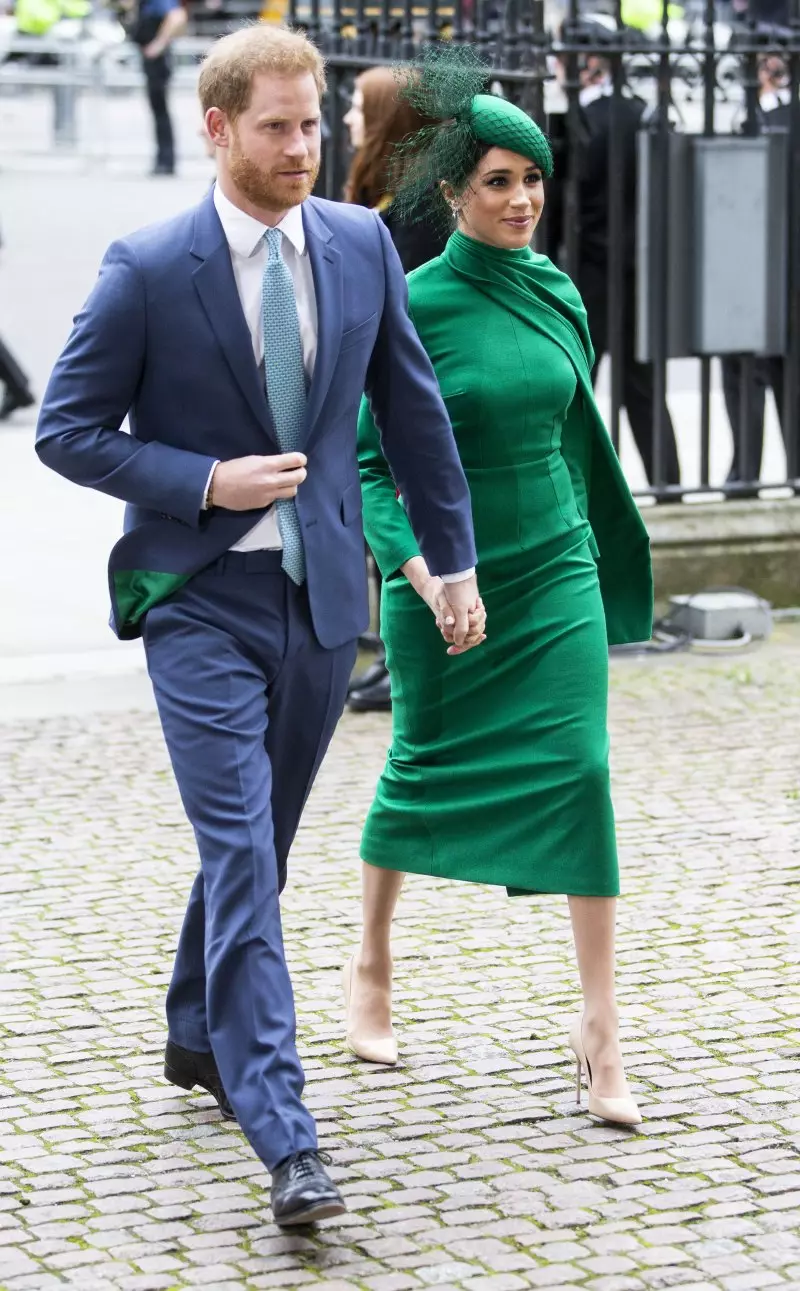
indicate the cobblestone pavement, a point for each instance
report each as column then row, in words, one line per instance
column 468, row 1166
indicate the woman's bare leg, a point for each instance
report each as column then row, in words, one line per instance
column 593, row 920
column 371, row 1000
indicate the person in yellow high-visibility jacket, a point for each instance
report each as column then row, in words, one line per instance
column 645, row 15
column 37, row 17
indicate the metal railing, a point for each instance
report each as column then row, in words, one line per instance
column 700, row 83
column 70, row 67
column 698, row 79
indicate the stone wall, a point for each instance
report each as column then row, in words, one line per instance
column 754, row 544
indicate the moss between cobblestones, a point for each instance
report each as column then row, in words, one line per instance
column 705, row 769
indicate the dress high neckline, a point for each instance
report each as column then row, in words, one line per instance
column 487, row 253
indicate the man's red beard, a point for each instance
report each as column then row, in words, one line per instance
column 270, row 190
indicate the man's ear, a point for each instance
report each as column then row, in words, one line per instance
column 218, row 127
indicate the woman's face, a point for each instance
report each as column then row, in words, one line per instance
column 354, row 119
column 502, row 202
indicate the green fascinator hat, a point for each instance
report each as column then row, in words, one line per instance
column 501, row 124
column 447, row 86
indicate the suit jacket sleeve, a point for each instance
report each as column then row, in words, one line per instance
column 90, row 392
column 386, row 525
column 416, row 437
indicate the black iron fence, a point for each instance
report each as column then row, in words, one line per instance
column 699, row 255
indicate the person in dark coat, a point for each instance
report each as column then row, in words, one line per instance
column 378, row 120
column 16, row 388
column 17, row 392
column 774, row 98
column 153, row 25
column 592, row 278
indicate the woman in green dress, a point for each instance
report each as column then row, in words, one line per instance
column 498, row 767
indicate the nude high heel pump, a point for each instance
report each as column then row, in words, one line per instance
column 382, row 1049
column 619, row 1111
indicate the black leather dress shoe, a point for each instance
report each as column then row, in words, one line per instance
column 302, row 1192
column 376, row 698
column 375, row 672
column 185, row 1068
column 14, row 399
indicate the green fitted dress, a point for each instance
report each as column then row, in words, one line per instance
column 498, row 767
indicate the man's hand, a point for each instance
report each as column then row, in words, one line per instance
column 154, row 50
column 249, row 483
column 434, row 593
column 461, row 599
column 477, row 629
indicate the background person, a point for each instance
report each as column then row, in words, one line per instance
column 595, row 98
column 379, row 118
column 16, row 387
column 17, row 392
column 774, row 98
column 153, row 25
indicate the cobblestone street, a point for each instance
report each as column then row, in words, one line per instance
column 468, row 1166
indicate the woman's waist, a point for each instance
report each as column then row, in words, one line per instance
column 532, row 502
column 535, row 458
column 511, row 475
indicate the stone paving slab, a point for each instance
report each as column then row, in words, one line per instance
column 469, row 1166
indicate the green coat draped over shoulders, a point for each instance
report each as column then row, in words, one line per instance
column 529, row 287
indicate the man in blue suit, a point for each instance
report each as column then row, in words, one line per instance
column 238, row 339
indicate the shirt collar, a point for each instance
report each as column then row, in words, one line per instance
column 591, row 93
column 772, row 99
column 244, row 233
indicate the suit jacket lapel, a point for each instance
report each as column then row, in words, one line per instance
column 216, row 287
column 326, row 267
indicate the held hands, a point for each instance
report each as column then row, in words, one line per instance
column 476, row 627
column 459, row 611
column 463, row 620
column 250, row 483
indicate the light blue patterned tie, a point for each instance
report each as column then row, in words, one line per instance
column 286, row 387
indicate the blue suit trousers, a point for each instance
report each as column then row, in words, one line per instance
column 248, row 701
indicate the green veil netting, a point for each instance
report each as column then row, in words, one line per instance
column 447, row 83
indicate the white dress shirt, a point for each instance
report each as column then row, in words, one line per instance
column 591, row 93
column 245, row 238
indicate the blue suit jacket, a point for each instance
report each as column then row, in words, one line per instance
column 162, row 339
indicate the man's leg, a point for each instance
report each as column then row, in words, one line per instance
column 775, row 370
column 186, row 996
column 637, row 395
column 313, row 683
column 593, row 286
column 212, row 656
column 732, row 370
column 157, row 74
column 295, row 750
column 11, row 373
column 17, row 391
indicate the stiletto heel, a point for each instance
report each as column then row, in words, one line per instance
column 381, row 1049
column 578, row 1081
column 618, row 1111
